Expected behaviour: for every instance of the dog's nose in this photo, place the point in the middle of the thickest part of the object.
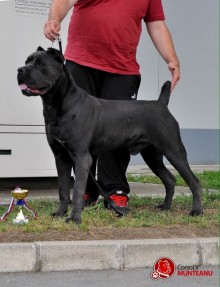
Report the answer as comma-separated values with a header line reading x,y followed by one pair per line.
x,y
21,70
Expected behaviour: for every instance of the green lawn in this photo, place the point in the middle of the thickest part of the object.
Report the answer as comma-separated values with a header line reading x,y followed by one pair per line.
x,y
142,212
209,179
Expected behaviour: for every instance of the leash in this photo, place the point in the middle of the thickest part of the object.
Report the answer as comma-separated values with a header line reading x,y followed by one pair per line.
x,y
121,212
60,45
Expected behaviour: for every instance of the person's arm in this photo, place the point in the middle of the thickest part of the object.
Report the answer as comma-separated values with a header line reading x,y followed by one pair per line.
x,y
58,11
162,40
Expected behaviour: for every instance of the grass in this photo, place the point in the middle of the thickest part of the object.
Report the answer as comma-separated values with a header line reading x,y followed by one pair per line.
x,y
208,179
142,212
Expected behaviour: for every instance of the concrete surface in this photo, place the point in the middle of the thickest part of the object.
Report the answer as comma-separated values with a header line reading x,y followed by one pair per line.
x,y
47,187
102,255
107,278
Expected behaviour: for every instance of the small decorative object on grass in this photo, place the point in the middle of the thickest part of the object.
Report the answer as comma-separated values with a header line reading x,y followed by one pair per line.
x,y
20,219
19,195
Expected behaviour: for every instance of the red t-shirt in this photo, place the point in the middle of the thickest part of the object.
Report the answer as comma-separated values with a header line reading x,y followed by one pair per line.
x,y
104,34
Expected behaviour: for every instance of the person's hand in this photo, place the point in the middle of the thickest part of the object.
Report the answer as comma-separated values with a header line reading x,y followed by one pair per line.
x,y
51,29
174,68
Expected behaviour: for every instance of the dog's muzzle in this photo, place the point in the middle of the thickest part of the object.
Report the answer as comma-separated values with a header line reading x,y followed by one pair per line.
x,y
28,89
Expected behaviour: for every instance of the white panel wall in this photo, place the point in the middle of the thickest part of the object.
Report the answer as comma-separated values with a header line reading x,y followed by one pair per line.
x,y
21,118
194,25
20,36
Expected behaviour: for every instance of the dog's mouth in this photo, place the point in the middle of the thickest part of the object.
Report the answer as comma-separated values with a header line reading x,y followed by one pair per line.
x,y
32,91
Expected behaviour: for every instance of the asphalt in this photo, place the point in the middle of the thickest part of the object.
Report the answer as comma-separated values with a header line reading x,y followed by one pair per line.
x,y
108,278
101,255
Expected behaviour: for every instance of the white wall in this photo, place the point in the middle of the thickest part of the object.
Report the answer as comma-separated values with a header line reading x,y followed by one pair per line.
x,y
20,36
194,26
21,119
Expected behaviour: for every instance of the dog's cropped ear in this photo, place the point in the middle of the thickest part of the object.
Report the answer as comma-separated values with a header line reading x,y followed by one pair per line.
x,y
40,49
56,54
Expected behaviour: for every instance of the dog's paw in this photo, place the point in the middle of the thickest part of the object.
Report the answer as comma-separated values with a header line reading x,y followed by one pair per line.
x,y
196,212
162,206
59,213
71,219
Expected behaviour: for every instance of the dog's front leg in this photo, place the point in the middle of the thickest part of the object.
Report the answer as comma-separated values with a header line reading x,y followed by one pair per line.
x,y
64,165
64,169
82,167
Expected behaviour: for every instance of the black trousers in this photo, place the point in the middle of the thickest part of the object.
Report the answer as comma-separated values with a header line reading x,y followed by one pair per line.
x,y
112,165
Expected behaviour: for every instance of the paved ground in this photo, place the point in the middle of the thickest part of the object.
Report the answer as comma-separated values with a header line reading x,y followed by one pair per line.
x,y
105,278
47,188
140,189
143,169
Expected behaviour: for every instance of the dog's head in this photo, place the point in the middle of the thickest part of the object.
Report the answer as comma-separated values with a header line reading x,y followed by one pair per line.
x,y
41,72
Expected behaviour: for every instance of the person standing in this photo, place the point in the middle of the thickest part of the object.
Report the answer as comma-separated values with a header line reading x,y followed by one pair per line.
x,y
102,43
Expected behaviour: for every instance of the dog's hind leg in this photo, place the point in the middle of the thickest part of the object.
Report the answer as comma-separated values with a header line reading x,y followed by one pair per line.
x,y
155,162
178,158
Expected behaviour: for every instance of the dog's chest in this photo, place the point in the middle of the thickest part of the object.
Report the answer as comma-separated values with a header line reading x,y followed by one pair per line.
x,y
57,131
65,131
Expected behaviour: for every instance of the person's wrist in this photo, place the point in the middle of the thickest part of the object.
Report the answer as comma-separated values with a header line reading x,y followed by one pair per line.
x,y
53,19
174,64
174,61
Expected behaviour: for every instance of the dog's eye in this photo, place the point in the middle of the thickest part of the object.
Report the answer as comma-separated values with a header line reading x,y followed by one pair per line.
x,y
29,59
38,62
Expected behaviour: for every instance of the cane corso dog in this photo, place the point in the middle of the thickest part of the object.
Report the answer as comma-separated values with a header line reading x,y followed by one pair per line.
x,y
79,126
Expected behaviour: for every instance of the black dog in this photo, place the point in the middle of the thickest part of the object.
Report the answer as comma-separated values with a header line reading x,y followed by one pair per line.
x,y
79,125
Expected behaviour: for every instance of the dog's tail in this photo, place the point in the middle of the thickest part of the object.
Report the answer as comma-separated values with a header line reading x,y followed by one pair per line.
x,y
165,93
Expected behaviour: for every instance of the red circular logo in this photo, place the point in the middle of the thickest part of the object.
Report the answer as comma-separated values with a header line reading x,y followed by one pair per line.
x,y
164,268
